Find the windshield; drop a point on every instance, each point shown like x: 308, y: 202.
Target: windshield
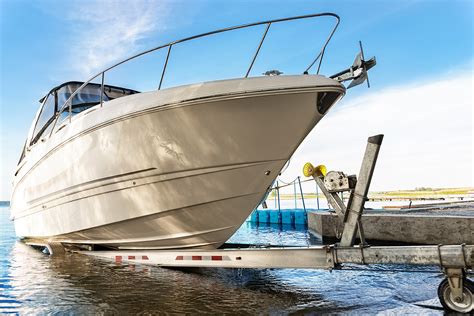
x: 88, y: 97
x: 53, y: 106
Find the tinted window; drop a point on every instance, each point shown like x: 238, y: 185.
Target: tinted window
x: 45, y: 117
x: 88, y: 97
x: 85, y: 99
x: 22, y: 153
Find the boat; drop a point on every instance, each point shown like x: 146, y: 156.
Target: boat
x: 181, y: 167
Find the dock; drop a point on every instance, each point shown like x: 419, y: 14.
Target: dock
x: 447, y: 223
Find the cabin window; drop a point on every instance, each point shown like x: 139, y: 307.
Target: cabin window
x: 88, y: 97
x: 45, y: 118
x: 22, y: 153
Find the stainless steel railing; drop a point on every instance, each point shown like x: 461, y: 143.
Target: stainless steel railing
x: 68, y: 103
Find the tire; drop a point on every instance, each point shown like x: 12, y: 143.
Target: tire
x: 444, y: 295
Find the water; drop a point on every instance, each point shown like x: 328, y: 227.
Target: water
x: 34, y: 283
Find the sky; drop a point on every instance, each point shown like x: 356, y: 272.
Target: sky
x: 421, y: 94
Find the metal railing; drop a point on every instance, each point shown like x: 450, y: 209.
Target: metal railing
x: 68, y: 103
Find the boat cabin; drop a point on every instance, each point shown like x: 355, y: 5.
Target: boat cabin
x: 54, y: 103
x: 53, y: 109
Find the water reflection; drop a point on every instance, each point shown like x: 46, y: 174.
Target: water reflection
x: 80, y: 284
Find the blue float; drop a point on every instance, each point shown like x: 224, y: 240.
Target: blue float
x: 285, y: 217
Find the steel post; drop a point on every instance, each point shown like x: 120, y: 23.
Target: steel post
x: 317, y: 195
x: 356, y: 208
x: 294, y: 194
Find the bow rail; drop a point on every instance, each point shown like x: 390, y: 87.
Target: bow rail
x: 319, y: 57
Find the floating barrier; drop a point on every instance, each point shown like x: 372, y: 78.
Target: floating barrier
x: 285, y: 216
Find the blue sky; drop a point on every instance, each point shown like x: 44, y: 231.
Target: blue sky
x: 421, y: 46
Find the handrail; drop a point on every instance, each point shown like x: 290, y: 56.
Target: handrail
x: 164, y: 67
x: 258, y: 50
x: 170, y: 44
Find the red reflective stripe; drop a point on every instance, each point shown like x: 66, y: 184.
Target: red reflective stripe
x: 144, y: 257
x: 131, y: 257
x: 179, y: 258
x: 196, y: 258
x: 216, y: 258
x: 118, y: 258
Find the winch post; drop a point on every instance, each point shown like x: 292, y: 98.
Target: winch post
x: 356, y: 207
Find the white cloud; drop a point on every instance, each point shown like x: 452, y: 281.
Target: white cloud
x: 428, y: 131
x: 107, y: 31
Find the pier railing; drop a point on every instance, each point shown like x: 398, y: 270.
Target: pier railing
x: 67, y: 105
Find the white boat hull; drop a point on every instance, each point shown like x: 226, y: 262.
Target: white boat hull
x: 182, y: 167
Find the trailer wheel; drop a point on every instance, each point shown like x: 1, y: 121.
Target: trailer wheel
x: 450, y: 304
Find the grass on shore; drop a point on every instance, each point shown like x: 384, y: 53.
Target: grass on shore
x: 418, y: 192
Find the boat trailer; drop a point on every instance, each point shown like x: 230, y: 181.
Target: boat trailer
x: 456, y: 291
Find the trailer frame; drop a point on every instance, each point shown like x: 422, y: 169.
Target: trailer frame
x: 455, y: 261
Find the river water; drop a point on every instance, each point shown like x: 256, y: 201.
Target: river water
x: 34, y: 283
